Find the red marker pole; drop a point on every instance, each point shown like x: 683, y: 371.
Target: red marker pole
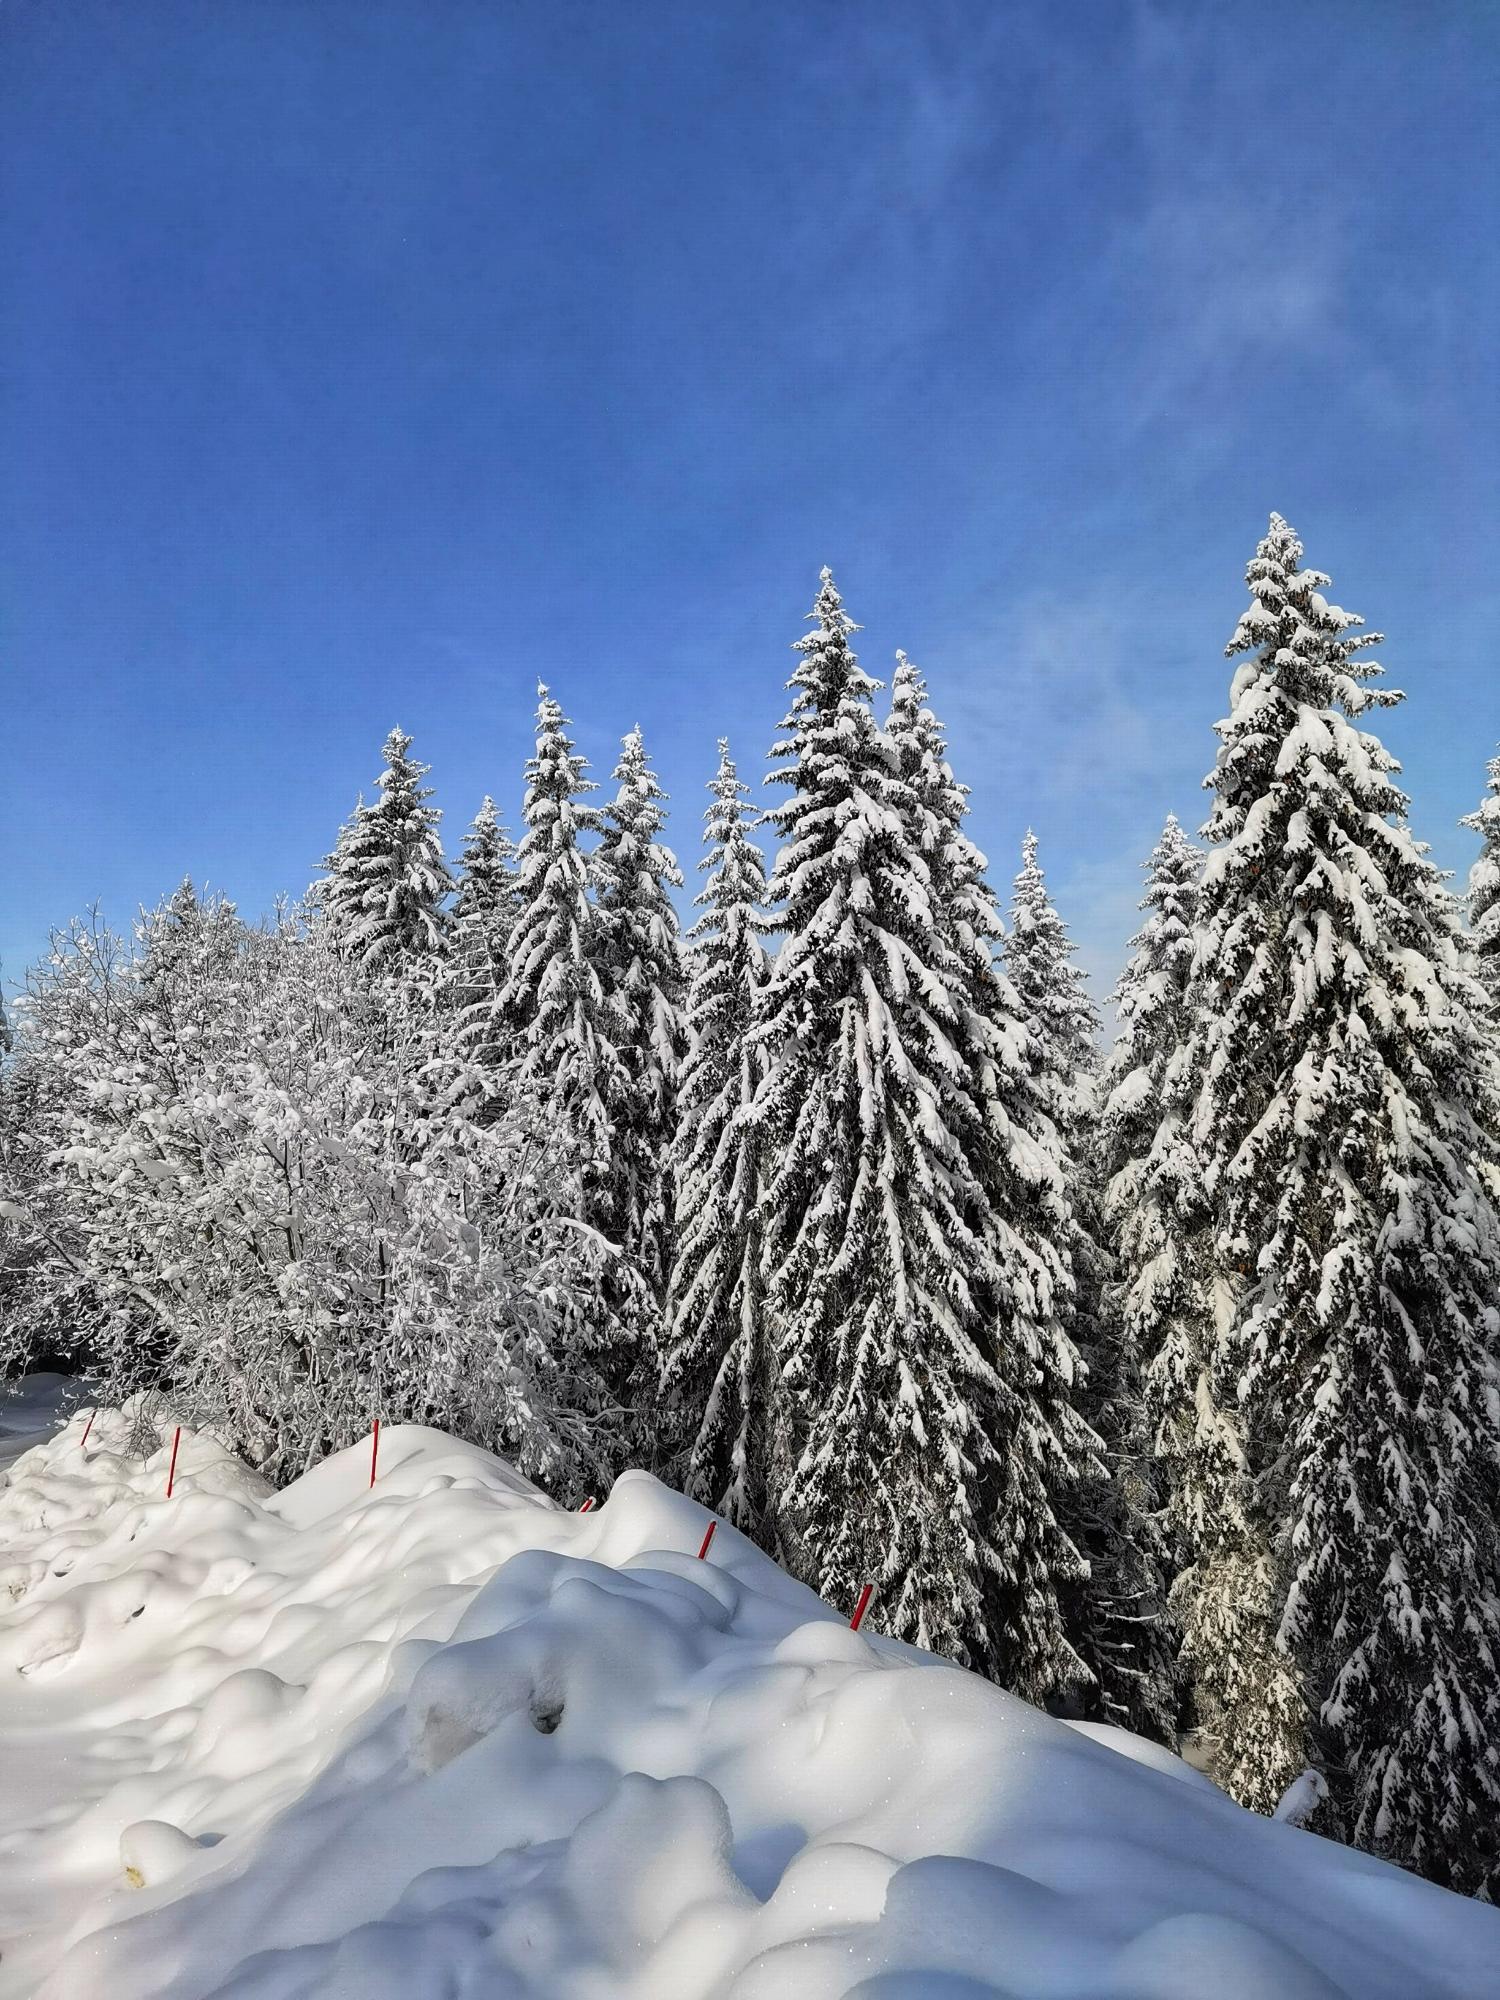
x: 172, y: 1468
x: 374, y: 1450
x: 87, y: 1428
x: 703, y: 1551
x: 862, y: 1607
x: 588, y: 1505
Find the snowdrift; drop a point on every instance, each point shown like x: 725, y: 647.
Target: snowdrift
x: 446, y: 1740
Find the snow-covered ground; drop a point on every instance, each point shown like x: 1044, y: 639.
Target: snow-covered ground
x: 446, y: 1740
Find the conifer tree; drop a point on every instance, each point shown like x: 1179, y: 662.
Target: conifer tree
x: 554, y: 1001
x: 487, y: 873
x: 169, y: 938
x: 484, y: 914
x: 387, y: 884
x: 640, y: 958
x: 1484, y: 883
x: 1155, y: 1306
x: 891, y: 1422
x: 1339, y: 1126
x: 1174, y: 1292
x: 1109, y: 1608
x: 554, y: 1011
x: 1025, y: 1219
x: 717, y: 1378
x: 1053, y: 994
x: 1167, y: 1298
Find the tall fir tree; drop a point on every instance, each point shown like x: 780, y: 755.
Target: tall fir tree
x: 1054, y: 999
x: 717, y: 1378
x: 891, y: 1422
x: 1107, y: 1607
x: 387, y: 886
x: 1484, y: 884
x: 1029, y: 1562
x: 640, y: 958
x: 487, y: 886
x: 554, y: 1011
x: 554, y: 1002
x: 484, y: 914
x: 1170, y: 1300
x: 1155, y: 1307
x: 1339, y: 1123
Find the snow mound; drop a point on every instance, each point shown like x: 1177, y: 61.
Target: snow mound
x: 444, y: 1740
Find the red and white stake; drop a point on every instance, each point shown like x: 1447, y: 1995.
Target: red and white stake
x: 172, y: 1468
x: 703, y: 1551
x: 862, y: 1607
x: 588, y: 1505
x: 87, y: 1428
x: 374, y: 1450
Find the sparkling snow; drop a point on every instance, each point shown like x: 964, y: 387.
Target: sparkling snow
x: 446, y: 1740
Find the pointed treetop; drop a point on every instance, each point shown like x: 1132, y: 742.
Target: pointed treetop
x: 829, y: 666
x: 637, y: 781
x: 1300, y: 635
x: 734, y: 865
x: 183, y: 903
x: 1053, y: 991
x: 488, y: 866
x: 909, y: 708
x: 1031, y: 906
x: 387, y: 880
x: 1164, y: 942
x: 728, y: 791
x: 1173, y: 843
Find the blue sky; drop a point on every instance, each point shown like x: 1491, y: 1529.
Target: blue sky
x: 363, y: 362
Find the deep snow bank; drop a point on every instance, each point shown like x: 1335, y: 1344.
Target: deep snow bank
x: 445, y: 1739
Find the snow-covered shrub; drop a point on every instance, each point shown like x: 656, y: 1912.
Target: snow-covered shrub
x: 300, y: 1206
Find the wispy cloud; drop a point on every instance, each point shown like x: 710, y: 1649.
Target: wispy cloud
x: 1223, y: 261
x: 1083, y: 718
x: 1059, y: 700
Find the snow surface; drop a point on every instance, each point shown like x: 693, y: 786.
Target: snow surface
x: 445, y: 1740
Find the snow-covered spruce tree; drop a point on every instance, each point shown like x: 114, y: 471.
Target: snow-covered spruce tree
x: 387, y: 884
x: 487, y: 875
x: 555, y: 1011
x: 1110, y: 1609
x: 484, y: 914
x: 172, y: 935
x: 1170, y: 1298
x: 554, y: 1001
x: 1047, y: 1450
x: 640, y: 960
x: 717, y: 1379
x: 890, y: 1422
x: 1339, y: 1126
x: 1484, y: 884
x: 1053, y: 994
x: 1155, y: 1306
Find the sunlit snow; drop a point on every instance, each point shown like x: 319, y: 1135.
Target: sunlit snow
x: 448, y: 1739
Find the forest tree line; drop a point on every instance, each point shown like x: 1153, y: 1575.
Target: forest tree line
x: 1160, y: 1384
